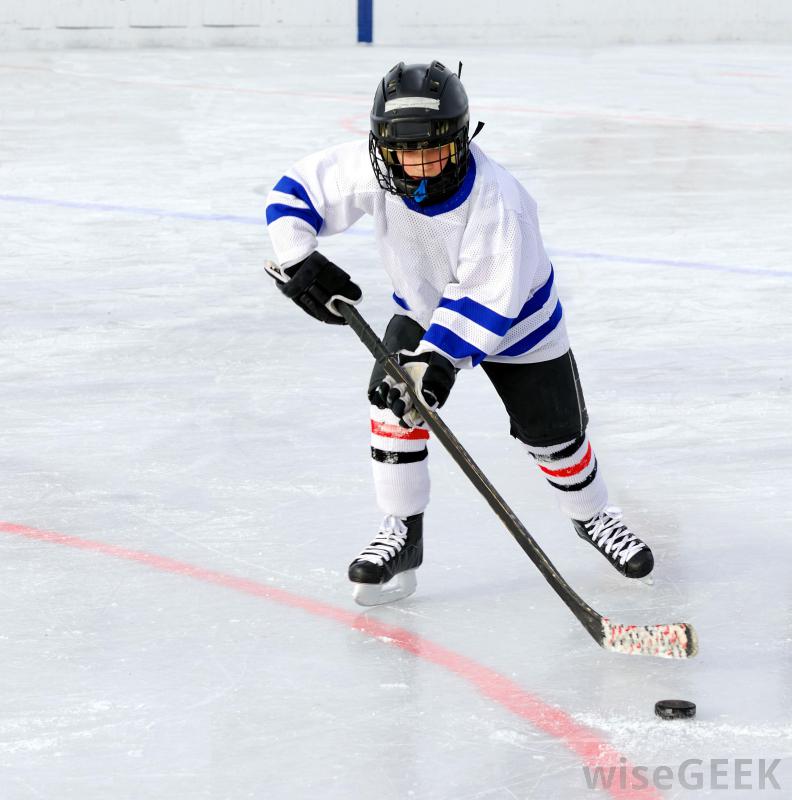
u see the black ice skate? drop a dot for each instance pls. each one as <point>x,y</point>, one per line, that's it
<point>617,542</point>
<point>385,570</point>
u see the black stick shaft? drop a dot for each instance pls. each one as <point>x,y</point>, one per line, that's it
<point>590,619</point>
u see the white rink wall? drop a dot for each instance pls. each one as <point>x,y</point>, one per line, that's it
<point>196,23</point>
<point>582,22</point>
<point>175,23</point>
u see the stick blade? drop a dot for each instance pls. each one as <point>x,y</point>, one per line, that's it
<point>675,640</point>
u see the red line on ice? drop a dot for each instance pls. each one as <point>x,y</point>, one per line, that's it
<point>592,750</point>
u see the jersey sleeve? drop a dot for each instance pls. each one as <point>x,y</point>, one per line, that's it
<point>320,195</point>
<point>502,301</point>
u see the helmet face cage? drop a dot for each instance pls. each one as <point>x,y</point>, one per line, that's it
<point>427,179</point>
<point>433,177</point>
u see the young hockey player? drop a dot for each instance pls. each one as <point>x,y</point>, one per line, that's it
<point>459,238</point>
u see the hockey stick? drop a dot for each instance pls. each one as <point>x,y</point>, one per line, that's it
<point>675,640</point>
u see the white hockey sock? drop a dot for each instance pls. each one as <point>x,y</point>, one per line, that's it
<point>571,469</point>
<point>400,465</point>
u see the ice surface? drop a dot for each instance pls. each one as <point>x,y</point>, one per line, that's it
<point>159,396</point>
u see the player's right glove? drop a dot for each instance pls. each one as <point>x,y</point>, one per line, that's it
<point>431,374</point>
<point>315,284</point>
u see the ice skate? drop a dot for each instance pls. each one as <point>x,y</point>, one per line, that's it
<point>385,570</point>
<point>625,551</point>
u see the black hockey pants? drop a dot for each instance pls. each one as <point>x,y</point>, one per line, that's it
<point>544,400</point>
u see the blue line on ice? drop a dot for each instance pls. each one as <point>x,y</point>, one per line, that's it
<point>663,262</point>
<point>149,212</point>
<point>243,220</point>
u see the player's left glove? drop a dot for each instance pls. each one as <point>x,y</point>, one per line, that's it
<point>432,375</point>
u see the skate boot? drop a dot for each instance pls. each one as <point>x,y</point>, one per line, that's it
<point>617,542</point>
<point>385,570</point>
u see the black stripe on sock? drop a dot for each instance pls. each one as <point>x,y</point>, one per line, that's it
<point>576,486</point>
<point>565,452</point>
<point>390,457</point>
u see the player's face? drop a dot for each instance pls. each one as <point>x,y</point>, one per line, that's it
<point>426,163</point>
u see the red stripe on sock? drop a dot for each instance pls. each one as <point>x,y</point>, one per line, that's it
<point>569,471</point>
<point>397,432</point>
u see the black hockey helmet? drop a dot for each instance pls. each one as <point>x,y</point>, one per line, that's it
<point>420,107</point>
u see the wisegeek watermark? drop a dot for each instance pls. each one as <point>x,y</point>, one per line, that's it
<point>694,773</point>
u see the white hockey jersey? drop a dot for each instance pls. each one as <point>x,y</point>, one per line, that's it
<point>471,270</point>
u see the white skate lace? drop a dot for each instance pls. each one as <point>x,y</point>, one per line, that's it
<point>611,535</point>
<point>388,542</point>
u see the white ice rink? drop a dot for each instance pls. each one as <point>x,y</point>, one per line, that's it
<point>184,469</point>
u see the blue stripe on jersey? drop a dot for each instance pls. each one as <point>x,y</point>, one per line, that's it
<point>537,301</point>
<point>289,186</point>
<point>454,345</point>
<point>456,199</point>
<point>278,210</point>
<point>400,301</point>
<point>480,314</point>
<point>490,319</point>
<point>533,338</point>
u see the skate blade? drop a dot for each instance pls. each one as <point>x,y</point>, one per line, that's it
<point>377,594</point>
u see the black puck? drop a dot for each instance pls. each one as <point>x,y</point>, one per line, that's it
<point>675,709</point>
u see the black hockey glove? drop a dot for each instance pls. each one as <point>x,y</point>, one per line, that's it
<point>315,284</point>
<point>432,375</point>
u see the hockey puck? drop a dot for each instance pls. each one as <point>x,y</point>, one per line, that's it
<point>675,709</point>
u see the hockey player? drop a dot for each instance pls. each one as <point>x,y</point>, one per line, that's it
<point>473,286</point>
